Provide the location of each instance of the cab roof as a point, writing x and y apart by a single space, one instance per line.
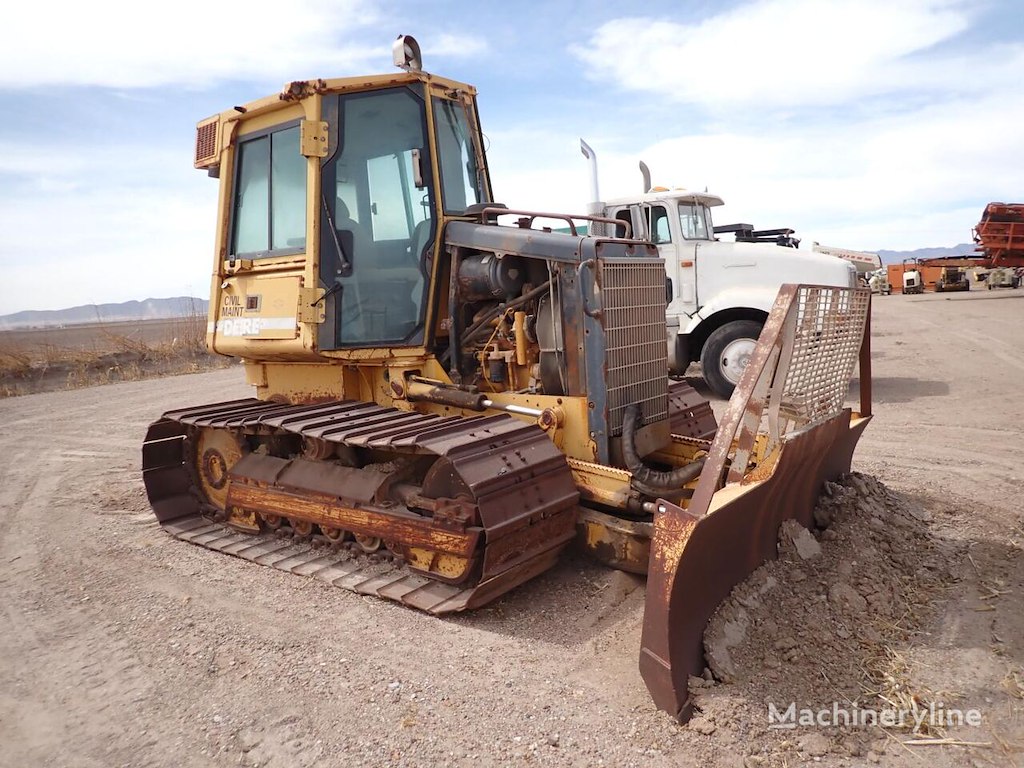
669 195
299 89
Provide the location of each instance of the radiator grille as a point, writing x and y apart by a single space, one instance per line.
206 144
633 301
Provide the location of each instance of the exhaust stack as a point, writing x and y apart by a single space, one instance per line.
646 173
595 207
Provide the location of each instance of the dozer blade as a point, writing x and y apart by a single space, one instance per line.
786 419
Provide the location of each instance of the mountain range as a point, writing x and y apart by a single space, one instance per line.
896 257
150 309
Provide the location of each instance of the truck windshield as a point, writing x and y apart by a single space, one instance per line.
378 219
694 219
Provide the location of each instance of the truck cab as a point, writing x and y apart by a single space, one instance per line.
719 293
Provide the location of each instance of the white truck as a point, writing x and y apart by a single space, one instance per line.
719 292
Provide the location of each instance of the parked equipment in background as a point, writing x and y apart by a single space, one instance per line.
952 279
865 262
1003 277
1000 235
913 282
878 282
445 401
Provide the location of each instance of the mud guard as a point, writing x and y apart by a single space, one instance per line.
797 382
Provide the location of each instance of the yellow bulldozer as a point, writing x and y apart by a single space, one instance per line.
448 394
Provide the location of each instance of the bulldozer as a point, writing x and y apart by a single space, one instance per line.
448 394
952 279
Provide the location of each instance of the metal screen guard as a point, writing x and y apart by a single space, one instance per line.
793 393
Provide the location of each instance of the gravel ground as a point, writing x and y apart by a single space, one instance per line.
124 647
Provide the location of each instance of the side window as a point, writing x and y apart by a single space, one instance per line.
270 195
660 231
623 215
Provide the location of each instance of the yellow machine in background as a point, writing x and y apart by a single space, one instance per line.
469 396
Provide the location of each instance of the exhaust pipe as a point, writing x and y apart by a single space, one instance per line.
594 207
646 173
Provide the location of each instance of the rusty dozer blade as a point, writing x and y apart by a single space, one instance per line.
786 419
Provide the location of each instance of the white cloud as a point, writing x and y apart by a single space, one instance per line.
123 44
452 46
779 53
91 228
860 122
897 181
117 245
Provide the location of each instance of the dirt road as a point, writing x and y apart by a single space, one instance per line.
122 646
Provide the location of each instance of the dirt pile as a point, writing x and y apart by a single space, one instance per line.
822 625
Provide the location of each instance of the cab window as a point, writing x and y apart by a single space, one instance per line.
269 214
461 184
658 225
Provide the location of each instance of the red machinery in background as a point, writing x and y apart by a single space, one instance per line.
1000 235
999 239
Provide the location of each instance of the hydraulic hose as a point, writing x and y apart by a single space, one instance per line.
648 479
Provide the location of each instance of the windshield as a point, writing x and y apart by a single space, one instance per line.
378 219
695 221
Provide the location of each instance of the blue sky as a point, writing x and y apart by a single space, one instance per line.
860 123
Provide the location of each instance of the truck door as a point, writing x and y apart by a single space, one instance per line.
659 223
709 256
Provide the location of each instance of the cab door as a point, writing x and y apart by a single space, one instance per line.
661 227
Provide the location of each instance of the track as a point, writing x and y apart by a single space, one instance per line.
523 494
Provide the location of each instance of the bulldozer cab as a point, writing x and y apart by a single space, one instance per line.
333 199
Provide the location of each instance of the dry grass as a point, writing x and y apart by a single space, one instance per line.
1014 683
15 362
102 353
888 675
890 678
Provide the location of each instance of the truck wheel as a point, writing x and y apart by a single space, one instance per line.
726 353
